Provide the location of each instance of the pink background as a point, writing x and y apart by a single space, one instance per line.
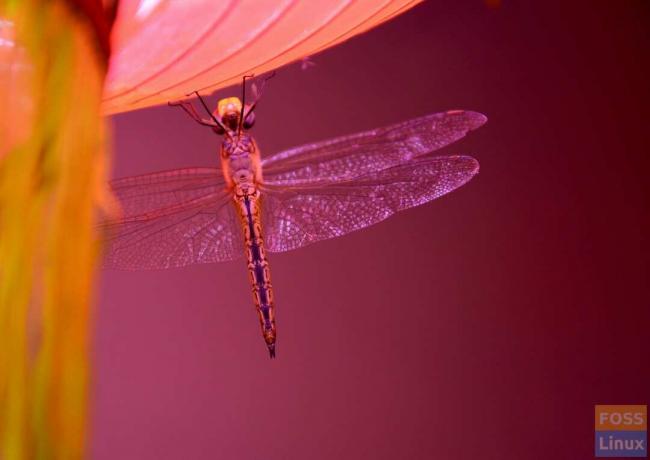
483 325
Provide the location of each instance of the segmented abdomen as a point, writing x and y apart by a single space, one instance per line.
248 206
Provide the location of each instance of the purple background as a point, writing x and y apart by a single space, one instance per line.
485 325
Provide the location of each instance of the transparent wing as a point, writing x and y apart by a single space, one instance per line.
161 190
172 219
357 154
298 215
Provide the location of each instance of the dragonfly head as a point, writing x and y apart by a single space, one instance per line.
229 111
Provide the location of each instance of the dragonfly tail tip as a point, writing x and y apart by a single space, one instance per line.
272 351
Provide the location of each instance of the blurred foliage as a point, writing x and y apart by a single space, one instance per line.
53 161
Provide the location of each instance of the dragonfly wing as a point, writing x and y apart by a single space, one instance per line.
357 154
151 192
172 219
298 215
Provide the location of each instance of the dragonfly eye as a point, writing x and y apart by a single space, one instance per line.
250 120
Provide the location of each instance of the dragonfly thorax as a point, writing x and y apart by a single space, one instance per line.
237 144
238 158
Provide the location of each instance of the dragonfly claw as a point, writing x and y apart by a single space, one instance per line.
271 347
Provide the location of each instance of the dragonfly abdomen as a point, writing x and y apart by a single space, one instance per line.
248 202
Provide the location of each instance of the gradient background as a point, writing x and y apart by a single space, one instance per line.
483 325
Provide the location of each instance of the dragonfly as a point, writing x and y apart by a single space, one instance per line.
251 206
